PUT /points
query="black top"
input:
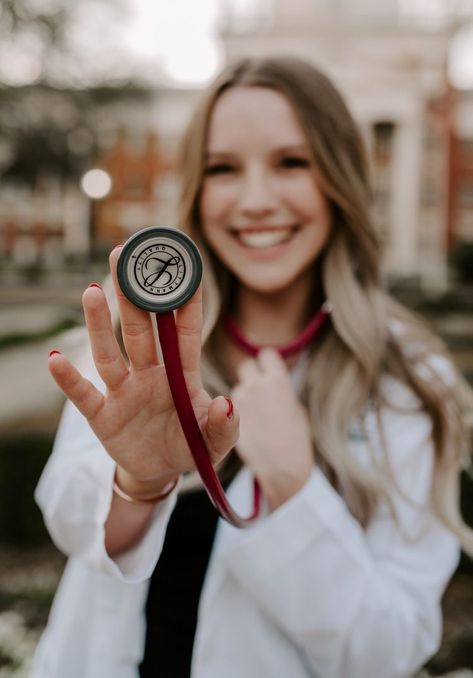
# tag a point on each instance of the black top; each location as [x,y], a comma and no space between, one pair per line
[175,587]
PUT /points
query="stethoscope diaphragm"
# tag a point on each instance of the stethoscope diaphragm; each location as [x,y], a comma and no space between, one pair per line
[159,269]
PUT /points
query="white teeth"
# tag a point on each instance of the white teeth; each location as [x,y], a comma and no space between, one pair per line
[263,238]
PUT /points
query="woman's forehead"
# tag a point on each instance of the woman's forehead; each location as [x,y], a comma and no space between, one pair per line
[242,114]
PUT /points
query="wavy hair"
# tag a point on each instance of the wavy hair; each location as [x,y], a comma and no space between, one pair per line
[362,343]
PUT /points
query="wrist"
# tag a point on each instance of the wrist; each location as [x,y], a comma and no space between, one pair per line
[139,491]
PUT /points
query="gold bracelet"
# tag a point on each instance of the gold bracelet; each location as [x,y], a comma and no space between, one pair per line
[143,502]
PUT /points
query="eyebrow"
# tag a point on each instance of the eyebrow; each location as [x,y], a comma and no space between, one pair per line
[295,148]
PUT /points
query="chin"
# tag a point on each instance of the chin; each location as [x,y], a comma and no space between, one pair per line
[265,286]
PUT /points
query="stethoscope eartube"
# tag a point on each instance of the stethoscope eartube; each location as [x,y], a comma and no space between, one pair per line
[159,270]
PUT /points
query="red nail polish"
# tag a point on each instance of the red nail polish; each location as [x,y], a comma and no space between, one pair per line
[230,408]
[95,284]
[54,351]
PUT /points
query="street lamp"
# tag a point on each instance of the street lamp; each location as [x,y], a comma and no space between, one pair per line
[96,184]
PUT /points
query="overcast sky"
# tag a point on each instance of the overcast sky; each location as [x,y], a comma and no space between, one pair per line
[175,41]
[155,24]
[181,33]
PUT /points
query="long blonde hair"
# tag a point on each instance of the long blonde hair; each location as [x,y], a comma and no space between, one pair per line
[362,343]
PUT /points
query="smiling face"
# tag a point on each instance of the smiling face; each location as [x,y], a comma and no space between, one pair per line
[261,209]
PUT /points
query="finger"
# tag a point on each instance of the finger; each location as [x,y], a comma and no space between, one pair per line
[189,332]
[222,428]
[137,328]
[79,390]
[270,361]
[106,352]
[248,369]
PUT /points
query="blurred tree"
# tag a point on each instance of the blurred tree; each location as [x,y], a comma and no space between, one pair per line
[54,89]
[45,19]
[47,131]
[58,40]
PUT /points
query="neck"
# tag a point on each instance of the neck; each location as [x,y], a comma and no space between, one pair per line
[275,318]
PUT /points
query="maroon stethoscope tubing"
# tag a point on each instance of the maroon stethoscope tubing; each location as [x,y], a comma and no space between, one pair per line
[292,347]
[168,253]
[192,433]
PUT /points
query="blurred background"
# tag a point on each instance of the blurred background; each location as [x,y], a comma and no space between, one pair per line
[94,96]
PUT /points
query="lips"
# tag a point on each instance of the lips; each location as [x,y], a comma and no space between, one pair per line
[264,237]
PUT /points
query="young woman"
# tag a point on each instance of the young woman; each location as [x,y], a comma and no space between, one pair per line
[356,438]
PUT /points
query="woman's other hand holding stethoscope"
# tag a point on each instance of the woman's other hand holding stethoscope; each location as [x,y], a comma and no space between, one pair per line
[135,419]
[275,437]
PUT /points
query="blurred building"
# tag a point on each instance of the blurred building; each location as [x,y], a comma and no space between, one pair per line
[392,67]
[132,202]
[141,164]
[42,224]
[56,216]
[461,175]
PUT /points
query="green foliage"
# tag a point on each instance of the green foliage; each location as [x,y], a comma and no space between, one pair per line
[7,661]
[22,459]
[32,603]
[49,125]
[18,338]
[466,563]
[461,260]
[20,15]
[53,132]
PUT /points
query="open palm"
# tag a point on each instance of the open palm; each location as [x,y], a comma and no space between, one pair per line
[135,418]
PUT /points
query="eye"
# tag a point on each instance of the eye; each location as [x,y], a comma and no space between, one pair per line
[293,161]
[219,168]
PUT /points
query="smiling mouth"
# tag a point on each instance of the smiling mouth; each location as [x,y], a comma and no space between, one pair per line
[260,238]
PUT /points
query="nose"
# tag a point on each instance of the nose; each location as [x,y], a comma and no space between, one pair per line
[257,195]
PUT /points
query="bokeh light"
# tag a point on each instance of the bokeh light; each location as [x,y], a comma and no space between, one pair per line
[461,59]
[96,184]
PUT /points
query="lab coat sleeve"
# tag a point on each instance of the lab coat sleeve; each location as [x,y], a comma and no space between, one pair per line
[356,602]
[75,493]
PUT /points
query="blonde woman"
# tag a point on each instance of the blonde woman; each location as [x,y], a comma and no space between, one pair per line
[356,437]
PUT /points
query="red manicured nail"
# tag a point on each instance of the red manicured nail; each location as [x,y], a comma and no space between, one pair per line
[95,284]
[54,351]
[230,408]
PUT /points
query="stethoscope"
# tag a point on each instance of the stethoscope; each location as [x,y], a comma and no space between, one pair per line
[159,270]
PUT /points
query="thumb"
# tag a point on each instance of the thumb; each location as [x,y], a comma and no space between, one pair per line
[222,427]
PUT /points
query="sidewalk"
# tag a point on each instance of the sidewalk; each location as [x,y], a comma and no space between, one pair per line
[29,396]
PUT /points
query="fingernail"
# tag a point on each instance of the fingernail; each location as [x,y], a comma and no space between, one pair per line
[95,284]
[54,351]
[230,408]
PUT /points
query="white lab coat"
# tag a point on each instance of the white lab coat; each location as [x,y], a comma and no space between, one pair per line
[304,592]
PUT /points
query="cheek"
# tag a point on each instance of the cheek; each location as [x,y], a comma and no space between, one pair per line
[306,196]
[215,203]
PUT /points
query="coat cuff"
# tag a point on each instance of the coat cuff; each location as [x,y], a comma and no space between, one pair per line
[76,519]
[272,543]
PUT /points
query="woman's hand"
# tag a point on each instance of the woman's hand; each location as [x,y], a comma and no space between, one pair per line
[135,418]
[275,438]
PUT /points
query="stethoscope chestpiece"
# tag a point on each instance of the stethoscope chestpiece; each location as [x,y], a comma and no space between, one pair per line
[159,269]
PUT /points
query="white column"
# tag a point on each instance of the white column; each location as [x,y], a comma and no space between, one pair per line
[76,222]
[403,255]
